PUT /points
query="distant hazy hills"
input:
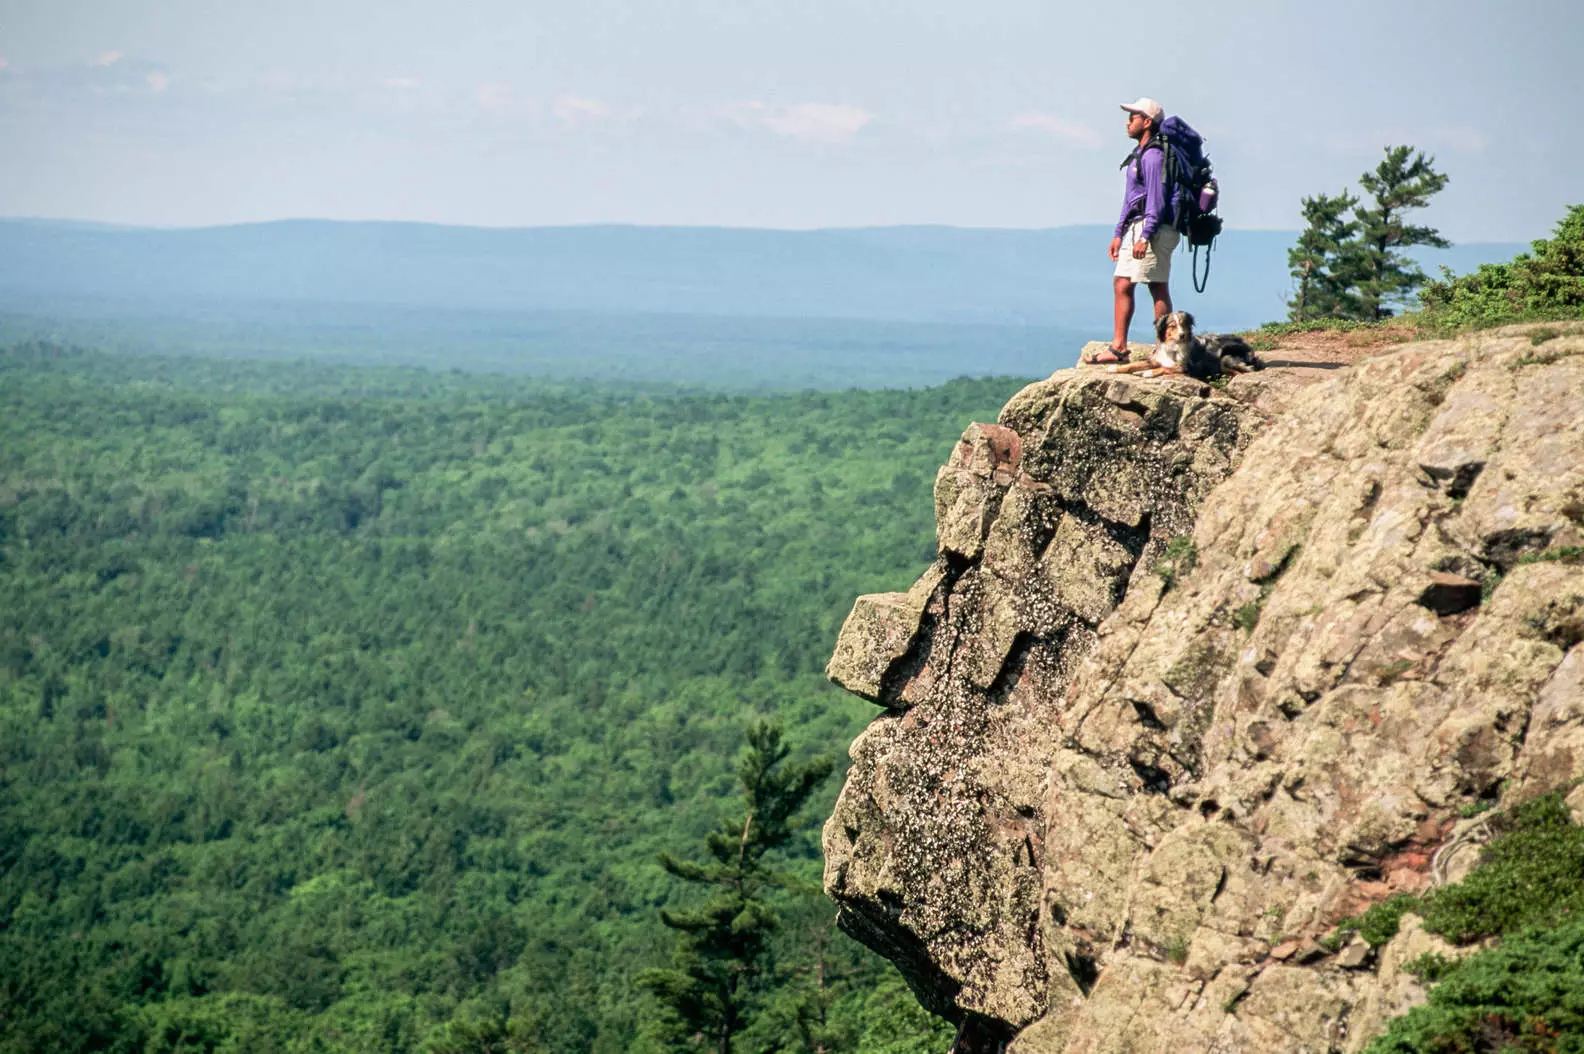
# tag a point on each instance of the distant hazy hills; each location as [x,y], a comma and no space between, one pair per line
[643,302]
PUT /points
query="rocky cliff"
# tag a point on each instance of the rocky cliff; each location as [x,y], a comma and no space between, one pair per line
[1190,680]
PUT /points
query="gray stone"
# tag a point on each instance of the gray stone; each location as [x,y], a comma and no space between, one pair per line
[1354,956]
[876,636]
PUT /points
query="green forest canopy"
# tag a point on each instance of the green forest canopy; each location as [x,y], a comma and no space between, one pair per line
[339,704]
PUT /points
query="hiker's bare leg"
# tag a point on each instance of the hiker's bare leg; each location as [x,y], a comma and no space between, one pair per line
[1162,295]
[1123,288]
[1161,291]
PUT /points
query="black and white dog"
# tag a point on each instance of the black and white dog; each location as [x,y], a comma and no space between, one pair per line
[1179,351]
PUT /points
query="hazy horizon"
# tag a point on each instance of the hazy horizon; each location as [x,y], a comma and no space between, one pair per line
[1097,224]
[738,307]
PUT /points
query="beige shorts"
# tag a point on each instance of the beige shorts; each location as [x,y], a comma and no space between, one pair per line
[1155,265]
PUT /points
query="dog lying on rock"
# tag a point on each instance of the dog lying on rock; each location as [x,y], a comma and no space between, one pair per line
[1179,351]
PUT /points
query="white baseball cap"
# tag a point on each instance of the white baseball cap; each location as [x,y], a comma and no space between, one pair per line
[1146,106]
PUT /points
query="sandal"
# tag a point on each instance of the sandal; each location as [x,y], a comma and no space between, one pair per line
[1108,357]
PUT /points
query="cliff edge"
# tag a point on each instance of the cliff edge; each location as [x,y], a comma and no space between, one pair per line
[1190,680]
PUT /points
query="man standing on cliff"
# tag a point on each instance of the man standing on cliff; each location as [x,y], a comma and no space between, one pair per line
[1145,237]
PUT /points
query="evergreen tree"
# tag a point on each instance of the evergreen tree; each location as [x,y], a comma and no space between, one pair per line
[724,964]
[1405,180]
[1319,260]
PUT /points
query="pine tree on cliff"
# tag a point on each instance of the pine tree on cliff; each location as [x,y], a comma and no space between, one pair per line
[1381,273]
[1319,261]
[724,966]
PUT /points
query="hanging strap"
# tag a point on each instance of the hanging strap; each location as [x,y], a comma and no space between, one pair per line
[1193,267]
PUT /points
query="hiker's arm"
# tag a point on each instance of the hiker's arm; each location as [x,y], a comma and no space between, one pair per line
[1130,196]
[1154,192]
[1122,223]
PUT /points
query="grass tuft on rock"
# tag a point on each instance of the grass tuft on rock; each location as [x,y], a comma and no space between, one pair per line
[1180,557]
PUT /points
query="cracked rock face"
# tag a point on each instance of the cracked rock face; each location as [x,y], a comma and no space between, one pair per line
[1109,808]
[936,850]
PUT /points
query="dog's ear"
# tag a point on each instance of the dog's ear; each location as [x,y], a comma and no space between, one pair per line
[1160,326]
[1188,320]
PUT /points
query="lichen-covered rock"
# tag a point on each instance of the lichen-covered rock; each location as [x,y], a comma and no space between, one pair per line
[936,850]
[1116,798]
[969,487]
[877,635]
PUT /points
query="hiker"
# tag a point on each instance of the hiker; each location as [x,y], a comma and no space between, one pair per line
[1145,233]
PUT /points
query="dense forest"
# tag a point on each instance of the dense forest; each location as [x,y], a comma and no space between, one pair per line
[349,709]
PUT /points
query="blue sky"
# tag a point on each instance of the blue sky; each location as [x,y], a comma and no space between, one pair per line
[748,113]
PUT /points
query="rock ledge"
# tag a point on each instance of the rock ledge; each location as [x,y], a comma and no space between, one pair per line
[1113,799]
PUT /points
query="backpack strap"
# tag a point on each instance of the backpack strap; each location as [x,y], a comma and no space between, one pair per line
[1156,143]
[1171,173]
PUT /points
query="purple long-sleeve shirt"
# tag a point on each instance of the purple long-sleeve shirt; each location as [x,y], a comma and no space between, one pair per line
[1144,194]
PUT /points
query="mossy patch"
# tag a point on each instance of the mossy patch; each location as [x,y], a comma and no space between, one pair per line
[1246,617]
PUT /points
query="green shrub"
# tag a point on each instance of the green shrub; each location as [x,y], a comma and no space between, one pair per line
[1524,997]
[1547,283]
[1312,325]
[1430,967]
[1531,874]
[1379,924]
[1526,994]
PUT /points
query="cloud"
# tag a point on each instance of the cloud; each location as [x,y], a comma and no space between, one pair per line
[810,122]
[576,111]
[157,81]
[3,62]
[492,96]
[815,122]
[109,58]
[1050,124]
[401,83]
